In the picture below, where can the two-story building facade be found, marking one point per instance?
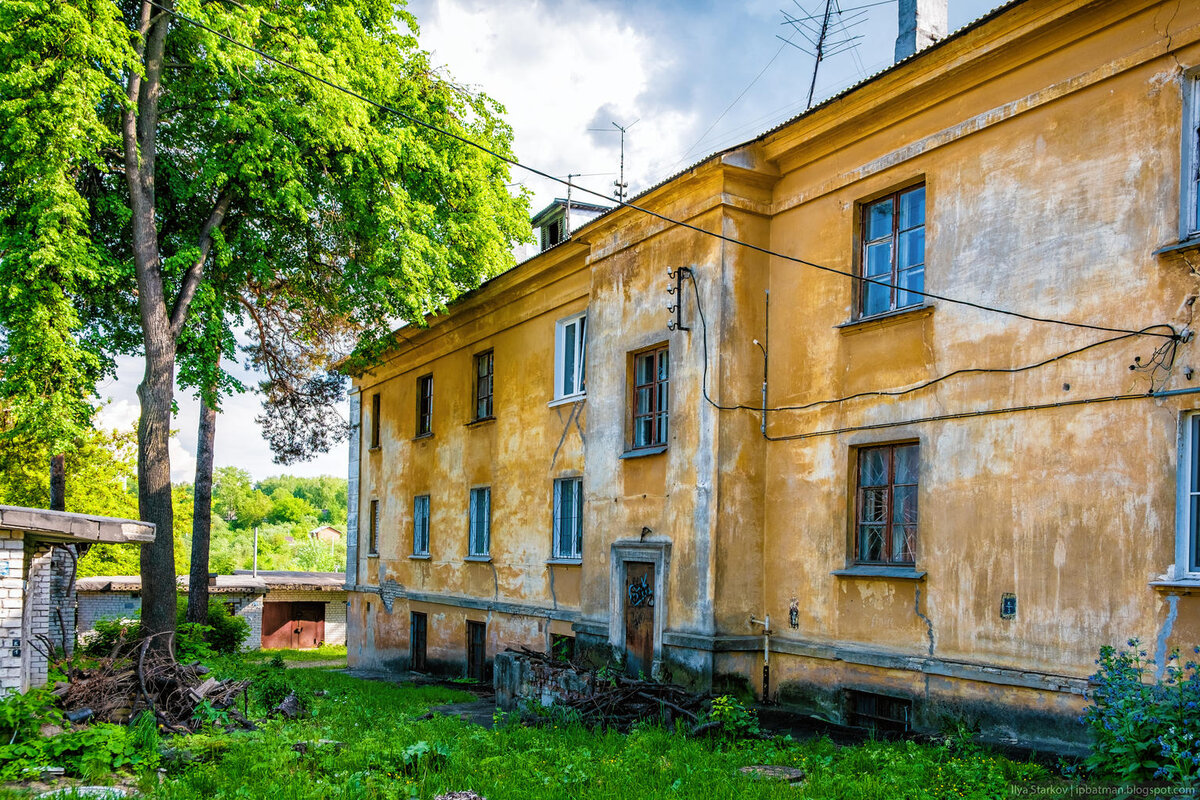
(909, 375)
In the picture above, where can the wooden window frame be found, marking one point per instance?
(1189, 178)
(893, 276)
(573, 537)
(485, 384)
(659, 391)
(577, 375)
(421, 525)
(373, 530)
(1187, 526)
(376, 404)
(479, 523)
(889, 522)
(425, 405)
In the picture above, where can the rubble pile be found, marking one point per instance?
(122, 685)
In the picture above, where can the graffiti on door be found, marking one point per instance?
(641, 593)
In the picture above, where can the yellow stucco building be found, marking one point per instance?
(968, 286)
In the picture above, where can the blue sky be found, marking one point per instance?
(692, 77)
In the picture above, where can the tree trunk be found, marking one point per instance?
(154, 487)
(197, 609)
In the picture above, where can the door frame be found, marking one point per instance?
(657, 553)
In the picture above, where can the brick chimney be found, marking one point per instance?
(922, 22)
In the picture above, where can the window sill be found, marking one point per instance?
(880, 571)
(1184, 246)
(565, 562)
(478, 559)
(421, 436)
(571, 398)
(419, 557)
(644, 451)
(476, 423)
(375, 448)
(1177, 586)
(884, 320)
(372, 555)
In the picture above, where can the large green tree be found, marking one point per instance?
(151, 169)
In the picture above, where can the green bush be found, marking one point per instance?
(110, 636)
(223, 632)
(1144, 729)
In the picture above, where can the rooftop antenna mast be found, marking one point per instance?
(621, 190)
(817, 28)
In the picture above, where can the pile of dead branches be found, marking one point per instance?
(618, 701)
(150, 678)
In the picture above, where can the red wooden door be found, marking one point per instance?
(639, 617)
(309, 630)
(277, 626)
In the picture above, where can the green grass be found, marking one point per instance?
(389, 753)
(325, 652)
(378, 725)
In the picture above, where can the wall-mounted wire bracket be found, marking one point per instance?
(677, 275)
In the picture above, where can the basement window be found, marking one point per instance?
(878, 712)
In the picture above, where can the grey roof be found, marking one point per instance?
(61, 526)
(242, 581)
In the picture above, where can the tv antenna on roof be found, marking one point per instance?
(817, 28)
(622, 188)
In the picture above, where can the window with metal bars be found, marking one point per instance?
(424, 405)
(650, 397)
(878, 711)
(568, 518)
(886, 529)
(483, 385)
(421, 525)
(480, 535)
(893, 235)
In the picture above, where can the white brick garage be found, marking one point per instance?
(37, 598)
(247, 595)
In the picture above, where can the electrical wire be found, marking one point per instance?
(642, 209)
(1159, 359)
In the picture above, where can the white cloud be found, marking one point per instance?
(555, 70)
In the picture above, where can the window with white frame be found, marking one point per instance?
(568, 518)
(1187, 525)
(480, 539)
(570, 351)
(421, 525)
(1189, 205)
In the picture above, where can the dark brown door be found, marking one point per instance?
(293, 626)
(417, 642)
(639, 617)
(476, 650)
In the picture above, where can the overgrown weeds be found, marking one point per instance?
(1144, 728)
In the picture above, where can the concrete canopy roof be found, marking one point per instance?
(240, 582)
(60, 526)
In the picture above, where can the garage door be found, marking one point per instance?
(293, 626)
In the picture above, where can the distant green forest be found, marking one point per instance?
(102, 479)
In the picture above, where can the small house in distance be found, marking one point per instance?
(35, 603)
(285, 610)
(327, 534)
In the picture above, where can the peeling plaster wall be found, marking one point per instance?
(1048, 140)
